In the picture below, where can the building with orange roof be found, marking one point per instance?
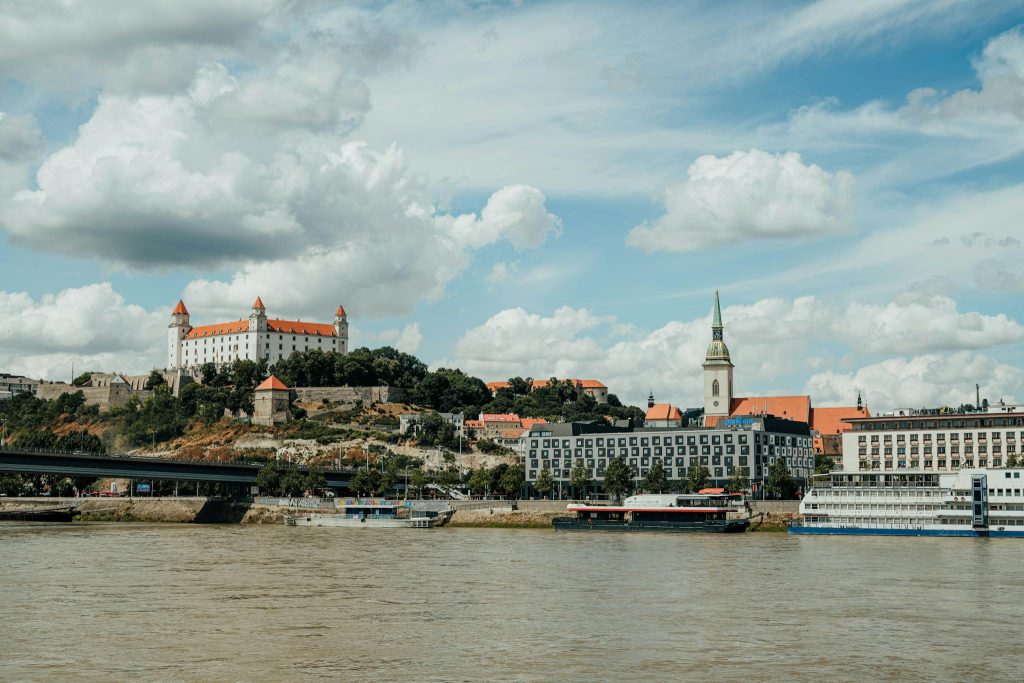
(271, 402)
(719, 403)
(255, 338)
(492, 424)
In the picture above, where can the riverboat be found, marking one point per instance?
(970, 502)
(364, 513)
(704, 512)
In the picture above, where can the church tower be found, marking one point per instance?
(176, 331)
(717, 370)
(258, 317)
(341, 328)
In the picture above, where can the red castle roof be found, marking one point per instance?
(180, 308)
(272, 382)
(258, 303)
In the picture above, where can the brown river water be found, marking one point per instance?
(108, 602)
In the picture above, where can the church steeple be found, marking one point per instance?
(717, 369)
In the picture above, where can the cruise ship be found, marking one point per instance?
(969, 502)
(709, 511)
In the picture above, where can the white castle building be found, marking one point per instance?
(258, 337)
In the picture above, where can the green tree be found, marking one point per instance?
(293, 482)
(268, 480)
(512, 480)
(545, 482)
(316, 481)
(366, 482)
(155, 379)
(656, 481)
(1012, 460)
(418, 480)
(480, 481)
(739, 482)
(618, 478)
(697, 478)
(579, 479)
(823, 464)
(780, 482)
(82, 379)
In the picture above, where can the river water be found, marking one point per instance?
(110, 602)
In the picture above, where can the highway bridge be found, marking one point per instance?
(80, 464)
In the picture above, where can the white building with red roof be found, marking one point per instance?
(255, 338)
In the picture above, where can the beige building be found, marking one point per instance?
(271, 403)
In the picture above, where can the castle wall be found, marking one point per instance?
(350, 395)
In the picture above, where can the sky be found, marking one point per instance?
(528, 188)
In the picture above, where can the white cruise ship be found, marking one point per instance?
(970, 502)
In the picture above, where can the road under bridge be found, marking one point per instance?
(33, 461)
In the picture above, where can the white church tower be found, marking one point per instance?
(341, 327)
(258, 319)
(176, 331)
(717, 370)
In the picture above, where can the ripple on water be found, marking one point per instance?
(237, 603)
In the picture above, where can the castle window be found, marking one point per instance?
(714, 388)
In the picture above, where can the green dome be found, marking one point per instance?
(717, 350)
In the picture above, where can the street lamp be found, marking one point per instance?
(3, 439)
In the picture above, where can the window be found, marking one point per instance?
(714, 388)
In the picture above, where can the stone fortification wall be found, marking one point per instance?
(105, 396)
(352, 395)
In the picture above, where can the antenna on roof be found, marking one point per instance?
(860, 402)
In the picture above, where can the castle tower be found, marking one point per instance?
(258, 317)
(176, 331)
(341, 327)
(650, 399)
(717, 370)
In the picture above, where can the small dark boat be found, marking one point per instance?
(28, 514)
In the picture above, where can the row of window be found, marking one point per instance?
(940, 437)
(954, 464)
(665, 440)
(957, 423)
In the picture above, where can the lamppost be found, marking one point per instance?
(3, 439)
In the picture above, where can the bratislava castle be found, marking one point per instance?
(257, 338)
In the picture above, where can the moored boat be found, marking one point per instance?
(364, 513)
(703, 512)
(970, 502)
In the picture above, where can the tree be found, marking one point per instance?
(82, 379)
(780, 482)
(480, 481)
(618, 478)
(268, 480)
(1012, 460)
(365, 482)
(697, 478)
(293, 483)
(418, 480)
(656, 481)
(545, 483)
(512, 480)
(823, 464)
(155, 379)
(739, 482)
(579, 479)
(316, 481)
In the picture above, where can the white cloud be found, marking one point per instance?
(994, 274)
(994, 110)
(91, 326)
(515, 213)
(20, 142)
(239, 171)
(774, 344)
(928, 380)
(407, 339)
(747, 195)
(145, 44)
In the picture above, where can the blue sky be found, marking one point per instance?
(528, 188)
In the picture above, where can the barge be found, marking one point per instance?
(703, 512)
